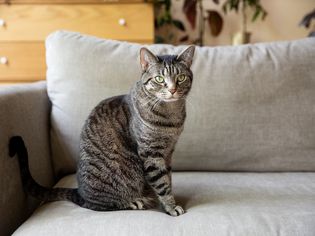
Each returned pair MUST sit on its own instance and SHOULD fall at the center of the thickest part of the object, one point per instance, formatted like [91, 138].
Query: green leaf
[160, 22]
[233, 5]
[252, 3]
[236, 5]
[259, 11]
[168, 4]
[256, 14]
[224, 7]
[306, 21]
[159, 39]
[168, 17]
[179, 25]
[264, 15]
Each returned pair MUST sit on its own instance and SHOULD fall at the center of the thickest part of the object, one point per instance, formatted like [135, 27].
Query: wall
[280, 24]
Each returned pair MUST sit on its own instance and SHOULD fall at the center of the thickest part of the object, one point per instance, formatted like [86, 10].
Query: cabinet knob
[2, 22]
[122, 22]
[3, 60]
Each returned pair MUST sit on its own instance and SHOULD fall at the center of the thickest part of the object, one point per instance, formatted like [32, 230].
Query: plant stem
[244, 17]
[201, 24]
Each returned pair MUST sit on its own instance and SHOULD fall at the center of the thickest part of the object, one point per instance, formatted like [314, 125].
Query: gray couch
[245, 164]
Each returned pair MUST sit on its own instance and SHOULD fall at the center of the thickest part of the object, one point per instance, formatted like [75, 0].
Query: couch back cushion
[251, 108]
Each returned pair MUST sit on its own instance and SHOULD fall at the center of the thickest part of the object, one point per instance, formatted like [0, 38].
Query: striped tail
[16, 146]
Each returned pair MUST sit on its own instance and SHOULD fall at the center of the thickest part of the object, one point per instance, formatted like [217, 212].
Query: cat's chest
[152, 132]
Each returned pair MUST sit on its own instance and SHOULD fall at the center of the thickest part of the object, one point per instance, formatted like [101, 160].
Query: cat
[127, 142]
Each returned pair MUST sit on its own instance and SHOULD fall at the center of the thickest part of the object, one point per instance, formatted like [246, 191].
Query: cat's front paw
[175, 211]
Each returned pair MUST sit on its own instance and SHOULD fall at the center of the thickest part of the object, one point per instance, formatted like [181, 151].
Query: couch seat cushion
[216, 203]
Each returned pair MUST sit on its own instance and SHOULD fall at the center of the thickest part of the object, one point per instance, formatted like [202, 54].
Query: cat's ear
[187, 56]
[147, 58]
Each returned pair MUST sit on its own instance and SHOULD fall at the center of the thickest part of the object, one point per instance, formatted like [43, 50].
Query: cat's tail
[16, 146]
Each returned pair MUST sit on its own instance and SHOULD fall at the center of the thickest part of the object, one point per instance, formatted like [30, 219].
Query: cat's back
[110, 117]
[107, 152]
[110, 109]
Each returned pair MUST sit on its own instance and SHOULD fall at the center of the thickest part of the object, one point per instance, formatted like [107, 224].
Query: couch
[244, 165]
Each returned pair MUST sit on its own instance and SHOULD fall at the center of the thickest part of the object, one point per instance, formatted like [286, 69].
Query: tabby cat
[127, 142]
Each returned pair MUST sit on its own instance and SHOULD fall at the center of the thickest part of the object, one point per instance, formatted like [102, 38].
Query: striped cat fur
[127, 142]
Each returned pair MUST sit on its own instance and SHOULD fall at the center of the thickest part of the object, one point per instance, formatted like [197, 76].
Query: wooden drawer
[35, 22]
[69, 1]
[26, 62]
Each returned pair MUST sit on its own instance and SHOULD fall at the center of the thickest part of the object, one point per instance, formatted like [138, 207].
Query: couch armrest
[24, 110]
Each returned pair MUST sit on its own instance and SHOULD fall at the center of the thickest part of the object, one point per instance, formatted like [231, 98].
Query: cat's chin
[170, 99]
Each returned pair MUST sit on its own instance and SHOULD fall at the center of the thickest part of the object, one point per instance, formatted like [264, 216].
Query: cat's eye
[181, 78]
[159, 79]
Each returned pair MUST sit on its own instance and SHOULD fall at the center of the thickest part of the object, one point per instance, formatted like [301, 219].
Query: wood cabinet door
[126, 22]
[68, 1]
[22, 62]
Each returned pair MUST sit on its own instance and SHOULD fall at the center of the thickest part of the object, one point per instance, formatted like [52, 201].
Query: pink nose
[172, 91]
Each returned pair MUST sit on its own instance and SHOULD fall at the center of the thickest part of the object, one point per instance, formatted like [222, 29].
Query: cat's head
[168, 77]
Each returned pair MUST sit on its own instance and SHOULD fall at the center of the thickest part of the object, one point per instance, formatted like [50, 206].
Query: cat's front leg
[158, 175]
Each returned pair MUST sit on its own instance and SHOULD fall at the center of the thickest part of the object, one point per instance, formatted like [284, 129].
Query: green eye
[181, 78]
[159, 79]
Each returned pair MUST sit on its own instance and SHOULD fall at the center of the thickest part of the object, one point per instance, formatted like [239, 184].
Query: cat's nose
[172, 91]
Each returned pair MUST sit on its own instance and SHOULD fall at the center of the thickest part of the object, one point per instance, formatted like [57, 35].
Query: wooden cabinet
[68, 1]
[132, 22]
[22, 61]
[24, 27]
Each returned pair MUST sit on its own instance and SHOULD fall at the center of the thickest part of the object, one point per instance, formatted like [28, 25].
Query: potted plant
[212, 17]
[243, 5]
[195, 12]
[199, 17]
[165, 22]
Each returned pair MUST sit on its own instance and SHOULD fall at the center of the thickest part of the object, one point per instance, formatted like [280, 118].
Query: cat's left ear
[187, 56]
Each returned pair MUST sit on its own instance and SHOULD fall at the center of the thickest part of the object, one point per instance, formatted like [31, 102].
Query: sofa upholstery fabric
[251, 107]
[220, 204]
[24, 110]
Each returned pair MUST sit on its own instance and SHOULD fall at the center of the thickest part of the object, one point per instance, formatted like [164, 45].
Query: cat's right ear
[147, 58]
